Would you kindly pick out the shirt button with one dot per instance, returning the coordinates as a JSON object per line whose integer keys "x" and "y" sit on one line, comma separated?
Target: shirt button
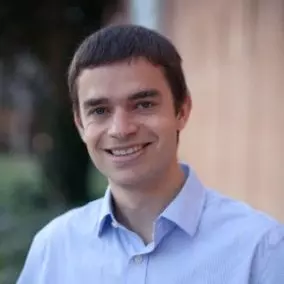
{"x": 114, "y": 224}
{"x": 138, "y": 259}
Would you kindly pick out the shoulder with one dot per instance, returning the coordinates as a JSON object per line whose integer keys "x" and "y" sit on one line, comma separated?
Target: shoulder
{"x": 82, "y": 220}
{"x": 52, "y": 239}
{"x": 237, "y": 216}
{"x": 248, "y": 234}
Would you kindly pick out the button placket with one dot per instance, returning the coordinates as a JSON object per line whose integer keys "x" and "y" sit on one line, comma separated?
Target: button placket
{"x": 137, "y": 269}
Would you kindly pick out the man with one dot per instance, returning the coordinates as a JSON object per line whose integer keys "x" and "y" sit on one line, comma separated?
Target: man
{"x": 157, "y": 223}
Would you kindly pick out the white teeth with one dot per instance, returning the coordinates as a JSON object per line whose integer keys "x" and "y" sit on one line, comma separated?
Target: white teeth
{"x": 128, "y": 151}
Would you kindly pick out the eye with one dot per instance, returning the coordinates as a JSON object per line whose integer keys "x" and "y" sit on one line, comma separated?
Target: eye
{"x": 98, "y": 111}
{"x": 143, "y": 105}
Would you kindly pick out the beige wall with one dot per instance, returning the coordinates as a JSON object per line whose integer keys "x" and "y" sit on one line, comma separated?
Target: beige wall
{"x": 233, "y": 54}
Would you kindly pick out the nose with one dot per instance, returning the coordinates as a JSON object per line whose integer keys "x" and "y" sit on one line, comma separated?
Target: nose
{"x": 122, "y": 125}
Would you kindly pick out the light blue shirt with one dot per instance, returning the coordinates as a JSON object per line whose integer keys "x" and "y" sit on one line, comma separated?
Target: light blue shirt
{"x": 202, "y": 237}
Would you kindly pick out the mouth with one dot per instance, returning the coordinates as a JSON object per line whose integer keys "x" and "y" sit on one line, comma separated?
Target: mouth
{"x": 127, "y": 151}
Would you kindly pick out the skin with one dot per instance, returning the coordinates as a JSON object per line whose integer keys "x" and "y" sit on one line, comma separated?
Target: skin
{"x": 128, "y": 104}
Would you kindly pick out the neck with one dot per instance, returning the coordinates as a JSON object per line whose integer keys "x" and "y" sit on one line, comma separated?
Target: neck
{"x": 137, "y": 208}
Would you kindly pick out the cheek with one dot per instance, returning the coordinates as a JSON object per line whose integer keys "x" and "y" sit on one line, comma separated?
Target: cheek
{"x": 166, "y": 130}
{"x": 165, "y": 124}
{"x": 92, "y": 134}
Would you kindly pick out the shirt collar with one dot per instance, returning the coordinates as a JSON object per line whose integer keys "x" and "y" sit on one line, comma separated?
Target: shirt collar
{"x": 106, "y": 213}
{"x": 185, "y": 210}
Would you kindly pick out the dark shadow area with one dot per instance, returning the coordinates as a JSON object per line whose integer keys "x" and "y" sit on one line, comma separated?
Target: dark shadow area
{"x": 44, "y": 166}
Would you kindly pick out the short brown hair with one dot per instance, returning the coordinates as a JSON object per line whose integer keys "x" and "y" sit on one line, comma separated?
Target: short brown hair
{"x": 125, "y": 42}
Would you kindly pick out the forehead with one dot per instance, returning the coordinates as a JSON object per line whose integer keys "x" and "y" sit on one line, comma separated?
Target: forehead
{"x": 119, "y": 80}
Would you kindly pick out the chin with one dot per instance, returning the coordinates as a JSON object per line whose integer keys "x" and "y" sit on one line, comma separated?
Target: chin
{"x": 127, "y": 178}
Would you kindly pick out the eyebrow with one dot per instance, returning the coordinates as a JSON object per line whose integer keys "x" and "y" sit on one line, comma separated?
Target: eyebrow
{"x": 143, "y": 94}
{"x": 92, "y": 102}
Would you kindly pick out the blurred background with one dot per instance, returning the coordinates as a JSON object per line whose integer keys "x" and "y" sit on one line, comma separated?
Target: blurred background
{"x": 234, "y": 64}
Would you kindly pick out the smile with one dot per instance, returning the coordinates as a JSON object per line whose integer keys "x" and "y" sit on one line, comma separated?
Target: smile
{"x": 127, "y": 151}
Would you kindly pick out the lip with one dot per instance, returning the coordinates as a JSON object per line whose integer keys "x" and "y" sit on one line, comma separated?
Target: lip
{"x": 128, "y": 158}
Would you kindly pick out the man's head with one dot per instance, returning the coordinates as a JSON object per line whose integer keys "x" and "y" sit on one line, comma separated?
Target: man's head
{"x": 130, "y": 99}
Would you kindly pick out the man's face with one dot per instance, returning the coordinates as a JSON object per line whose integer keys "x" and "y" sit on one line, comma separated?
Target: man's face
{"x": 128, "y": 121}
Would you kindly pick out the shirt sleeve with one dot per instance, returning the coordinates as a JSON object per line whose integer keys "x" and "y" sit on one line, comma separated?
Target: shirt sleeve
{"x": 268, "y": 264}
{"x": 32, "y": 270}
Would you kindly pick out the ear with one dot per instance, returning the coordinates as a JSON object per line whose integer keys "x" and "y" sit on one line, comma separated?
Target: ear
{"x": 78, "y": 123}
{"x": 184, "y": 113}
